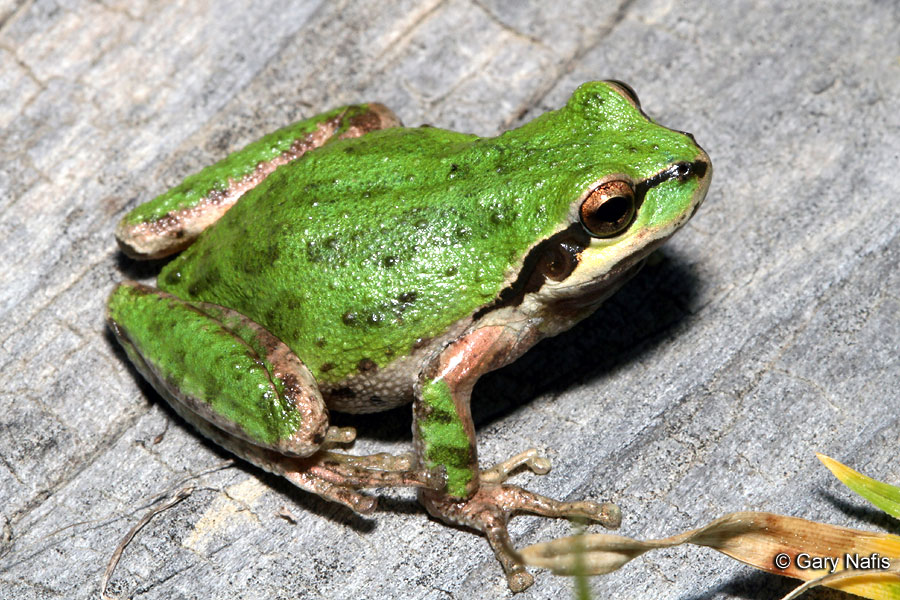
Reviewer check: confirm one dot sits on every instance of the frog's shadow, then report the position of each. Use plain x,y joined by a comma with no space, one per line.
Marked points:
757,585
625,327
141,270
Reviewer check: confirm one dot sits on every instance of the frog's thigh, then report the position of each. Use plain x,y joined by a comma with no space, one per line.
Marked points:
172,221
217,367
242,388
445,438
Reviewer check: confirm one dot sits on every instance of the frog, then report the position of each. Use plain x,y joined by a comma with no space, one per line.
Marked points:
348,263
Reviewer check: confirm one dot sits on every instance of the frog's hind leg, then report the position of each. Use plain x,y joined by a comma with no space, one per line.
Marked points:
172,221
248,392
445,441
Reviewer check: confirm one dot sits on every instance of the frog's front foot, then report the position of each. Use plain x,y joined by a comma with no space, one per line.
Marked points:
489,509
445,441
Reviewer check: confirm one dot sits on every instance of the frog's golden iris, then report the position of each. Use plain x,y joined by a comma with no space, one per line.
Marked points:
609,209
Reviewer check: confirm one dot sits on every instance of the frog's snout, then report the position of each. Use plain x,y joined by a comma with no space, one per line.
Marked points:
703,169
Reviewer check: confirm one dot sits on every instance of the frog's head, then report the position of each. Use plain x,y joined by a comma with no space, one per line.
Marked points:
637,184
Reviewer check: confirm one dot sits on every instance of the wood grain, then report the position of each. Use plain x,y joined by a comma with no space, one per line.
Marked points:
766,330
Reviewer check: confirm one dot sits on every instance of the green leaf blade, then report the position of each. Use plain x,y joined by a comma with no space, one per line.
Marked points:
882,495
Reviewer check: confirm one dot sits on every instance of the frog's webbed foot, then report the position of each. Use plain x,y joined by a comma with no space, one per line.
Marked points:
490,508
337,476
334,476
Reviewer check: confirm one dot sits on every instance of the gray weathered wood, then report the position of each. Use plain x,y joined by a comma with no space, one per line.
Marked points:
767,330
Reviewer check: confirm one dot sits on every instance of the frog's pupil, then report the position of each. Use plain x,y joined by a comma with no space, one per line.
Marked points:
613,211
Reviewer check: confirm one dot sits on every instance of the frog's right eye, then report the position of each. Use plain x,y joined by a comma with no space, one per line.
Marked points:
609,209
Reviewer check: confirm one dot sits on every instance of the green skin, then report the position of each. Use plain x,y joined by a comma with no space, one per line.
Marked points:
240,164
446,442
357,252
370,244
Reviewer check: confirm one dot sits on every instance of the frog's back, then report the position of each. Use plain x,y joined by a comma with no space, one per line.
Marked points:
362,249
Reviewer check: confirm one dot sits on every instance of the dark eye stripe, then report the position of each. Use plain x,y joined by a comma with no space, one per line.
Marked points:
555,258
680,171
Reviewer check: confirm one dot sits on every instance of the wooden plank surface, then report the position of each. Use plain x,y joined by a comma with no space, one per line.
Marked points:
766,330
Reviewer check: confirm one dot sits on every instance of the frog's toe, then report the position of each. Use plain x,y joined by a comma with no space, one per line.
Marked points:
530,459
491,507
520,581
312,481
335,436
374,470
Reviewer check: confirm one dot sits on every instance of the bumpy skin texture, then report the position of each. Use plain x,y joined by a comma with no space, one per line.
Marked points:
365,246
401,264
258,389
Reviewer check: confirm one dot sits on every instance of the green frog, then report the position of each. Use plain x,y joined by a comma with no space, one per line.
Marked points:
348,263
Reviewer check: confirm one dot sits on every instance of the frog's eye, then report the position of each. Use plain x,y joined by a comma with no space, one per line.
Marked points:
629,91
609,209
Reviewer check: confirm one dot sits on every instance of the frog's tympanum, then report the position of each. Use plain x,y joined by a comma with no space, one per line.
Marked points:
348,263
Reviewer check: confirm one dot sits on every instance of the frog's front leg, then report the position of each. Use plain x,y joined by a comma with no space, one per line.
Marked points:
247,391
172,221
445,440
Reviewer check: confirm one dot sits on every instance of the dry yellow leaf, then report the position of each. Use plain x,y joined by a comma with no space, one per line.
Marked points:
774,543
